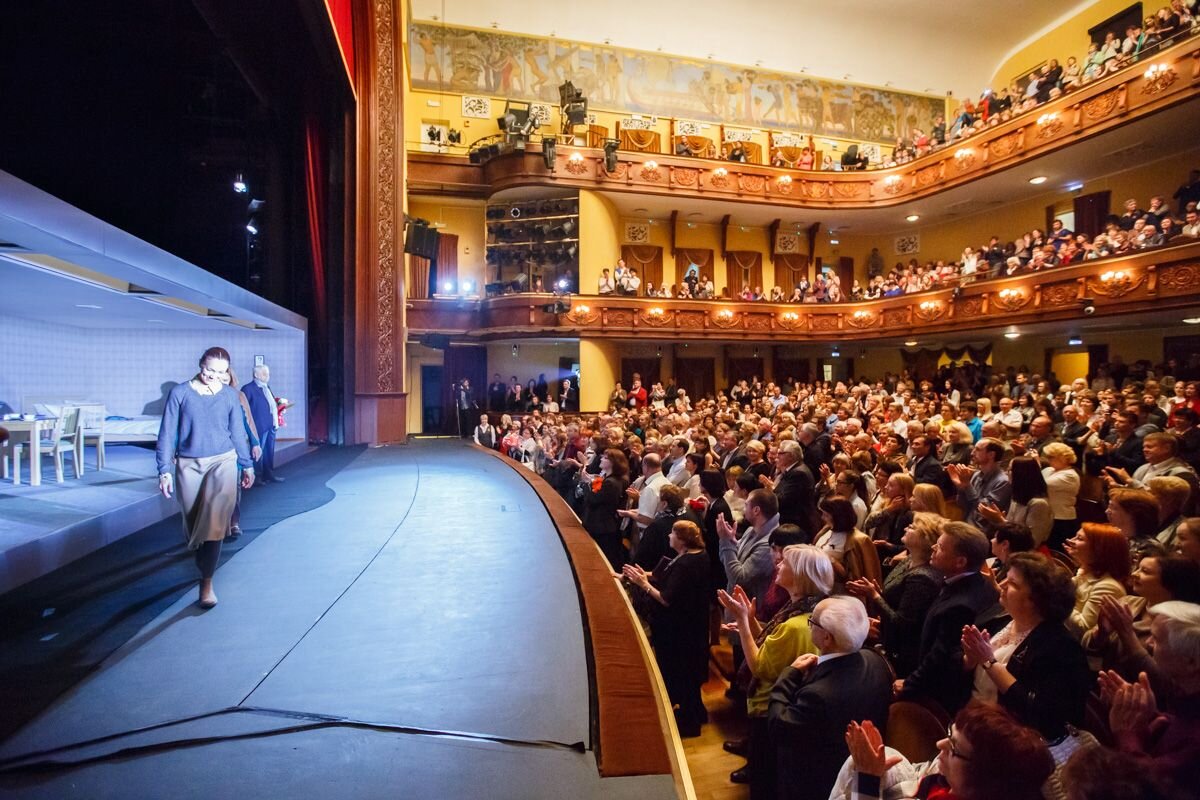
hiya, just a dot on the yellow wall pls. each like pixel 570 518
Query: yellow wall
pixel 1069 38
pixel 418 356
pixel 599 369
pixel 599 238
pixel 464 218
pixel 1069 363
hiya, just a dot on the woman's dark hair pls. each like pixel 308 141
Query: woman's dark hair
pixel 787 535
pixel 1180 577
pixel 1018 536
pixel 889 467
pixel 620 463
pixel 1050 586
pixel 712 483
pixel 673 496
pixel 214 352
pixel 1008 761
pixel 855 479
pixel 841 513
pixel 696 460
pixel 1027 480
pixel 748 481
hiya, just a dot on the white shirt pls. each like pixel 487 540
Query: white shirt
pixel 1062 487
pixel 679 474
pixel 649 495
pixel 266 390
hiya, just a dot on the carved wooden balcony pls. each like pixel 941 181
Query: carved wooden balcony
pixel 1131 94
pixel 1164 281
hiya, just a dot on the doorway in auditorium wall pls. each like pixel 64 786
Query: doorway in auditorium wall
pixel 648 368
pixel 742 369
pixel 696 376
pixel 798 368
pixel 432 407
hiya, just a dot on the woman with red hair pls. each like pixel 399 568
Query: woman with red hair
pixel 1102 553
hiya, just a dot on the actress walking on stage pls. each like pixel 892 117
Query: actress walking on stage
pixel 203 442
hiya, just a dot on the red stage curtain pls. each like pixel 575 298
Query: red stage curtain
pixel 447 260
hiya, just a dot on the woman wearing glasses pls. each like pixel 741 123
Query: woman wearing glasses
pixel 986 755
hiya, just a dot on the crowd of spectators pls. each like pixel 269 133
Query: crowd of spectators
pixel 1016 553
pixel 1136 229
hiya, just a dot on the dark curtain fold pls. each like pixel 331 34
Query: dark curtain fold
pixel 462 362
pixel 447 260
pixel 1091 213
pixel 701 258
pixel 789 269
pixel 316 178
pixel 923 363
pixel 418 277
pixel 745 269
pixel 647 259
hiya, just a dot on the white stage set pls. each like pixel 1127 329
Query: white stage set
pixel 96 326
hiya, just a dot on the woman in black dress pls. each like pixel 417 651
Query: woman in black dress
pixel 679 626
pixel 600 504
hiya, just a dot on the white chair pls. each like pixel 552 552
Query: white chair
pixel 91 430
pixel 64 438
pixel 4 456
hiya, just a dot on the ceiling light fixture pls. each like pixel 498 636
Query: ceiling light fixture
pixel 1074 341
pixel 1037 181
pixel 913 217
pixel 1192 321
pixel 1012 335
pixel 911 343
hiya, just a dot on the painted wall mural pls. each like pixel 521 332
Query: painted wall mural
pixel 474 61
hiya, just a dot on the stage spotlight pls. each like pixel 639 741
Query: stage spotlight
pixel 562 284
pixel 549 152
pixel 252 227
pixel 610 154
pixel 573 105
pixel 239 185
pixel 468 287
pixel 448 287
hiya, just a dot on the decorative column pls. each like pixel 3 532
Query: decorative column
pixel 380 393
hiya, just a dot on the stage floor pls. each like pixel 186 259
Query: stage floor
pixel 419 635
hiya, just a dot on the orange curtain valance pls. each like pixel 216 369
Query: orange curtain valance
pixel 641 141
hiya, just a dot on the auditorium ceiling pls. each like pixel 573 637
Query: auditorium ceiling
pixel 917 45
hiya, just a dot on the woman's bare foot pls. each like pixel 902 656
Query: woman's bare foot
pixel 208 598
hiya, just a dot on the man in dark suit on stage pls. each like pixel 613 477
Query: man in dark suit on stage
pixel 817 697
pixel 958 554
pixel 794 487
pixel 265 411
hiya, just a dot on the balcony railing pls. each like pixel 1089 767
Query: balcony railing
pixel 1163 281
pixel 1153 85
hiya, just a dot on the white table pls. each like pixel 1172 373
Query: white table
pixel 33 430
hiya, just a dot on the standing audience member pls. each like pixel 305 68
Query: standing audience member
pixel 605 496
pixel 679 625
pixel 987 484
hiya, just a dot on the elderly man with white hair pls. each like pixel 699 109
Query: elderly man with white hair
pixel 816 699
pixel 794 487
pixel 264 408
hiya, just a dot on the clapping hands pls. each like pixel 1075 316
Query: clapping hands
pixel 738 604
pixel 865 743
pixel 977 646
pixel 725 529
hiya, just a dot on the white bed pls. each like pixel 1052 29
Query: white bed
pixel 134 429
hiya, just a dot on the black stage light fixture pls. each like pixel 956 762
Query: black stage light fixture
pixel 610 154
pixel 573 105
pixel 549 151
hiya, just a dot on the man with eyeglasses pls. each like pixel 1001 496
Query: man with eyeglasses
pixel 816 698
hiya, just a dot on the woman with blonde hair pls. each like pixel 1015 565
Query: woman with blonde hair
pixel 929 498
pixel 959 443
pixel 904 598
pixel 1062 489
pixel 1103 558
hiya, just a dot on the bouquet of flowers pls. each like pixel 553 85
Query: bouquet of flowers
pixel 282 404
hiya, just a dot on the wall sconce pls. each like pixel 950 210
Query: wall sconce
pixel 725 315
pixel 962 152
pixel 862 313
pixel 1046 119
pixel 1114 275
pixel 1010 294
pixel 929 305
pixel 790 316
pixel 651 165
pixel 657 312
pixel 785 179
pixel 576 157
pixel 720 172
pixel 891 180
pixel 581 309
pixel 1158 77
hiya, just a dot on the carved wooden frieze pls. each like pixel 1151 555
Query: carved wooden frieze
pixel 1006 145
pixel 684 176
pixel 861 319
pixel 930 175
pixel 895 317
pixel 1060 294
pixel 690 320
pixel 1100 106
pixel 726 319
pixel 757 322
pixel 752 183
pixel 1116 283
pixel 618 318
pixel 1179 279
pixel 824 322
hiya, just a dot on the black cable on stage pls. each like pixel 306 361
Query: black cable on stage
pixel 43 761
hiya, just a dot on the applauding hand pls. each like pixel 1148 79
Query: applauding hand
pixel 726 529
pixel 866 748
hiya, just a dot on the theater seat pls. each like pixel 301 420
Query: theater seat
pixel 914 729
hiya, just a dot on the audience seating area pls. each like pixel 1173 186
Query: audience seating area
pixel 1065 511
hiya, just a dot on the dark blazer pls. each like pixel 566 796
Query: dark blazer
pixel 808 715
pixel 712 540
pixel 929 470
pixel 797 500
pixel 735 458
pixel 600 517
pixel 818 453
pixel 939 673
pixel 260 409
pixel 1053 681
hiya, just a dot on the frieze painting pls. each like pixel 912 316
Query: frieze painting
pixel 517 66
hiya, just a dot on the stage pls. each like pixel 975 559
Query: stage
pixel 420 634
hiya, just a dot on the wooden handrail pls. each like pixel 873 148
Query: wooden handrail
pixel 631 736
